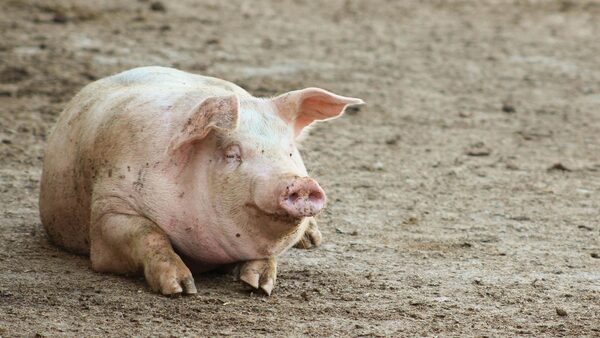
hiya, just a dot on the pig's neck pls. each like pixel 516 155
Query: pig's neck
pixel 200 233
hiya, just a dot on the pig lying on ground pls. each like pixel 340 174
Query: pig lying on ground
pixel 154 161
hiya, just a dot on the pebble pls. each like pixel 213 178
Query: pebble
pixel 508 107
pixel 158 6
pixel 392 140
pixel 352 110
pixel 558 167
pixel 60 18
pixel 305 296
pixel 561 312
pixel 479 149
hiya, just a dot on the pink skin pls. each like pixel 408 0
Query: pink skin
pixel 155 157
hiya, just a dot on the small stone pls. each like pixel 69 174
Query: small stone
pixel 392 140
pixel 60 18
pixel 508 107
pixel 352 110
pixel 158 6
pixel 561 312
pixel 478 152
pixel 305 296
pixel 479 149
pixel 558 167
pixel 354 233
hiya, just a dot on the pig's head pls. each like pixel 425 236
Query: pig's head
pixel 256 182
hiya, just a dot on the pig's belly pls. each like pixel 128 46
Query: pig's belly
pixel 206 248
pixel 207 251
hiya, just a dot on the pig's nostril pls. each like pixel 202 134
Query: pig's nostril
pixel 315 196
pixel 293 197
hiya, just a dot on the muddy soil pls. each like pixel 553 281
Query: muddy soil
pixel 464 197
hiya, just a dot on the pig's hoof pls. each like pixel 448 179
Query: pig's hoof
pixel 312 236
pixel 169 275
pixel 261 273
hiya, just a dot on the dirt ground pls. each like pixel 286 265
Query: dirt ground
pixel 464 197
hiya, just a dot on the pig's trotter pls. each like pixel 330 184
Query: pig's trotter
pixel 167 274
pixel 128 244
pixel 259 273
pixel 312 236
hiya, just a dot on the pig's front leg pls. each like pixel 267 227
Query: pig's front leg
pixel 129 244
pixel 312 236
pixel 259 273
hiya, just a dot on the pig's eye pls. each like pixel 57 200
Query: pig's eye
pixel 233 153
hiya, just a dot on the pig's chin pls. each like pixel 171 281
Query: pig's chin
pixel 282 219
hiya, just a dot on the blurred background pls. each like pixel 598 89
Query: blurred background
pixel 464 197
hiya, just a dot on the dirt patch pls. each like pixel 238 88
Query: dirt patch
pixel 464 197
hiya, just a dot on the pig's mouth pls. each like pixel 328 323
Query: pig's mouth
pixel 284 218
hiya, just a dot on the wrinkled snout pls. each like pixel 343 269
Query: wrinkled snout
pixel 302 197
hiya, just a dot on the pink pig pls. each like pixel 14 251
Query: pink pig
pixel 153 165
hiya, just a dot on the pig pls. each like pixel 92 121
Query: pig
pixel 154 167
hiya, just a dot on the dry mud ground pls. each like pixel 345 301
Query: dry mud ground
pixel 464 196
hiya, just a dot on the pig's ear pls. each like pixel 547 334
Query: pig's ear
pixel 303 107
pixel 214 113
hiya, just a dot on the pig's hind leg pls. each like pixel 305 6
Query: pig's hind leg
pixel 312 236
pixel 130 244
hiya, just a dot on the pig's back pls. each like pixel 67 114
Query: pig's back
pixel 165 78
pixel 124 116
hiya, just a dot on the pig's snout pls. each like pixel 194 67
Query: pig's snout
pixel 302 197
